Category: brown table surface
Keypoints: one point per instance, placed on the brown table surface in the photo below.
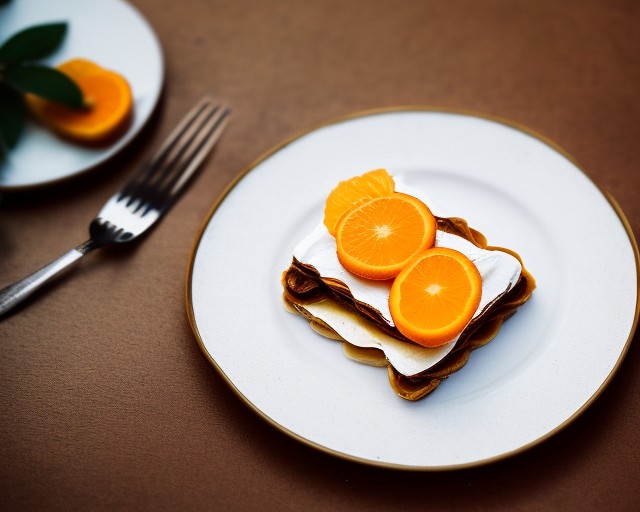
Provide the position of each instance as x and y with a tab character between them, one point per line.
106	401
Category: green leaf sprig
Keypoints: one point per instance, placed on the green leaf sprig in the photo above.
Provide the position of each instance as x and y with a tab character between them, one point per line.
20	74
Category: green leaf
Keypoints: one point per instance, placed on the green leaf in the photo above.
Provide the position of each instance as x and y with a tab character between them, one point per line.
33	43
12	116
48	83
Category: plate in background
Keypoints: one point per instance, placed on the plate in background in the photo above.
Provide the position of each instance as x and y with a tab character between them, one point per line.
114	35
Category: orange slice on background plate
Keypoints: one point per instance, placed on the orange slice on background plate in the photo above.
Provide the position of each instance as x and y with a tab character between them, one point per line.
435	296
353	192
78	67
376	239
108	100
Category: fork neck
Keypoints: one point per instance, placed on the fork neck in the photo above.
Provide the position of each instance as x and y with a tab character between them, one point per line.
88	246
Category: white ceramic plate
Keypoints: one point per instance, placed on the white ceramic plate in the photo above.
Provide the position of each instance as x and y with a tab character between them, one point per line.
113	34
549	361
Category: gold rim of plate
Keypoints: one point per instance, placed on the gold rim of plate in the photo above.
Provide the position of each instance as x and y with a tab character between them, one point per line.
364	113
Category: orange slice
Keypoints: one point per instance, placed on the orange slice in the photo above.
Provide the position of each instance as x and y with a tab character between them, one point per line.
78	67
108	99
378	238
353	192
435	296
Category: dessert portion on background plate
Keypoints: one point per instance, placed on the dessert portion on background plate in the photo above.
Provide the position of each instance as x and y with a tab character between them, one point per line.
399	286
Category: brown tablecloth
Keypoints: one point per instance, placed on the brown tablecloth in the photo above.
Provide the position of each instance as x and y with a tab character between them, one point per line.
106	401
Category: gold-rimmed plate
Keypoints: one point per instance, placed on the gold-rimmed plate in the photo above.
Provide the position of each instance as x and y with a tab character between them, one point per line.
548	362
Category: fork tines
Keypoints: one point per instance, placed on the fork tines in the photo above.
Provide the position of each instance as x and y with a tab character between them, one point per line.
159	181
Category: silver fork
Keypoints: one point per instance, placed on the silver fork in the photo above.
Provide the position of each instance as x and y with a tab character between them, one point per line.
150	192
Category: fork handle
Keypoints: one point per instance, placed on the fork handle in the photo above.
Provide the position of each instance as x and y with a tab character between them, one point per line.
17	292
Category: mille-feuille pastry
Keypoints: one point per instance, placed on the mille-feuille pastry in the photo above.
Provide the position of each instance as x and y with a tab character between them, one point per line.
418	308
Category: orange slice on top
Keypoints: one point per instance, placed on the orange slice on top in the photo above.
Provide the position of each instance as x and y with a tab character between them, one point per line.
378	238
107	97
435	296
353	192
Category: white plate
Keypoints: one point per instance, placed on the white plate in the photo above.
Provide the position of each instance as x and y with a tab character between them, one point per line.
549	361
114	35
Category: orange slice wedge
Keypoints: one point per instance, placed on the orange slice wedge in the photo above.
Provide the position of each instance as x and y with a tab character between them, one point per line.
435	296
108	99
378	238
353	192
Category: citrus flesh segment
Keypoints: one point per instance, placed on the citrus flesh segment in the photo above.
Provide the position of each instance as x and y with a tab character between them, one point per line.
353	192
435	296
378	238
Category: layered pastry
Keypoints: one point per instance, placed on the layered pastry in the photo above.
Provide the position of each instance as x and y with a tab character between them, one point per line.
401	287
